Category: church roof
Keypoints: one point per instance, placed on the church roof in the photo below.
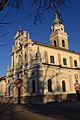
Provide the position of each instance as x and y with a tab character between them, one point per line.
59	48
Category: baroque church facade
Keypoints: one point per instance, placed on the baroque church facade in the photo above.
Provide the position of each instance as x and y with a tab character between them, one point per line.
41	73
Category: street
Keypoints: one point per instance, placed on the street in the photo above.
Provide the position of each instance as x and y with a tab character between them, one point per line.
53	111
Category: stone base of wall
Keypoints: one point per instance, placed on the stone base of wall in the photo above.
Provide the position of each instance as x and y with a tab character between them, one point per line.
50	98
9	99
33	99
38	99
2	99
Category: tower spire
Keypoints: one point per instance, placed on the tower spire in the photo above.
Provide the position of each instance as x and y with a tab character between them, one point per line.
28	35
56	15
57	19
58	37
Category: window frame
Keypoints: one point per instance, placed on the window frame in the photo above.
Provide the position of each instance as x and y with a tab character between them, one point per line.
52	59
75	63
63	43
55	43
33	86
9	90
49	85
63	86
64	61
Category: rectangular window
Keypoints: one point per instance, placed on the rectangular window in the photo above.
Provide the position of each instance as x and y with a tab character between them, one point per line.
52	59
75	63
64	61
63	43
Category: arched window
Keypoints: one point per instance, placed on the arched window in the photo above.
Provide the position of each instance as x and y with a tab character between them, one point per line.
55	43
64	61
63	43
49	85
33	86
52	59
75	63
63	86
62	29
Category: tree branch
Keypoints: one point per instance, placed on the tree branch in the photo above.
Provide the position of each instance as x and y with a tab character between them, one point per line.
2	4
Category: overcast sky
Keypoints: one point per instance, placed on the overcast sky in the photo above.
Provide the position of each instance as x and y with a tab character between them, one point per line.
40	32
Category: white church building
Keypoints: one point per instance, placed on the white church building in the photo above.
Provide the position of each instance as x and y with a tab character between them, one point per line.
41	73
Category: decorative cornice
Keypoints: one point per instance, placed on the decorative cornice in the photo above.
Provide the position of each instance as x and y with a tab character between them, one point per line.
60	66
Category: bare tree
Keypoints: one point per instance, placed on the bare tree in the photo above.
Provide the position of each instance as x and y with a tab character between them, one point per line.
5	7
43	6
2	4
37	8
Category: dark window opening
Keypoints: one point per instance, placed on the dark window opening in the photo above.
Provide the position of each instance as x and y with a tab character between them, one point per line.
64	61
61	28
49	85
52	59
63	43
55	44
75	63
33	86
9	90
36	55
63	86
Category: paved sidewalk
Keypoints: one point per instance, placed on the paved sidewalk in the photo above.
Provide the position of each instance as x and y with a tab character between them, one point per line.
4	107
51	111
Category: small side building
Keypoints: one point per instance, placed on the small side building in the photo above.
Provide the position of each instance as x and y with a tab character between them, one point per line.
3	89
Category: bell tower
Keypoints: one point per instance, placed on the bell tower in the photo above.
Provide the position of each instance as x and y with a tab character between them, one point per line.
58	37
